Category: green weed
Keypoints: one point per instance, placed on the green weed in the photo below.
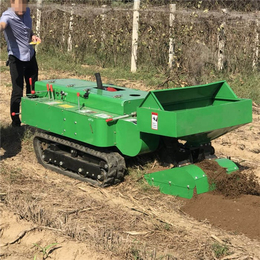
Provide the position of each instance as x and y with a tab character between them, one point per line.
44	251
220	250
4	68
27	138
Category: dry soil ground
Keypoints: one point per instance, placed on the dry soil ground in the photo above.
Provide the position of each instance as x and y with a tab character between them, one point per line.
45	215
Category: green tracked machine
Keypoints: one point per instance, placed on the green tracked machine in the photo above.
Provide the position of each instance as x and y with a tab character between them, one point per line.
87	129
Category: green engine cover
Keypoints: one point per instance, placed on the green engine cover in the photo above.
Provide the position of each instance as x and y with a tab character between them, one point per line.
79	110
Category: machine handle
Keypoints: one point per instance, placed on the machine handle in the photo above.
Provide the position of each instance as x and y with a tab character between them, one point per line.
120	117
99	81
31	86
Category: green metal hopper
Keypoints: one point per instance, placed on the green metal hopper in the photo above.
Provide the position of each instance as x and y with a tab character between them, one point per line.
196	114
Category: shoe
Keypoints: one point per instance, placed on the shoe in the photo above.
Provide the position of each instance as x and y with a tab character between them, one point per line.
16	124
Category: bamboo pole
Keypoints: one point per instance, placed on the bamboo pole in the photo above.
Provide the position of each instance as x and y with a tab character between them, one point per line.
135	35
171	44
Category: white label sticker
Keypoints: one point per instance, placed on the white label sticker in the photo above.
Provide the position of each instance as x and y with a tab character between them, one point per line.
103	115
154	121
53	102
86	111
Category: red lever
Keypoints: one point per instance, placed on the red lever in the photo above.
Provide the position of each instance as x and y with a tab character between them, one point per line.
48	90
78	95
30	82
109	119
14	114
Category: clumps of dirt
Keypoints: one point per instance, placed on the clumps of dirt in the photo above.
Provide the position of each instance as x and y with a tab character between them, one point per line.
238	183
230	185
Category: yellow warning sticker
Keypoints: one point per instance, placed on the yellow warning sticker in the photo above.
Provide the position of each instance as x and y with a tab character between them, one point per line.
66	106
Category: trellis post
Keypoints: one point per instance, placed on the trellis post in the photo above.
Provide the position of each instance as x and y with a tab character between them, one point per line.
64	27
103	17
135	35
221	45
171	30
71	28
38	19
256	48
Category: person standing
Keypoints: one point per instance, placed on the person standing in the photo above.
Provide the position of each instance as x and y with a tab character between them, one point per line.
16	23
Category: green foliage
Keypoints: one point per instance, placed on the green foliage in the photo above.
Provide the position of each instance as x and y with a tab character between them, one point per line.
106	39
239	5
2	69
246	85
135	254
220	250
44	251
136	175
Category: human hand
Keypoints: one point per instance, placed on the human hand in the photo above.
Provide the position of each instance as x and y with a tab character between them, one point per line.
35	40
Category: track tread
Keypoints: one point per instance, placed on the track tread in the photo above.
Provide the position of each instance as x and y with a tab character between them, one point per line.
116	163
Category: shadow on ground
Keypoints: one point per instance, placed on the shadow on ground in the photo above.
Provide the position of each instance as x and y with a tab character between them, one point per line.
11	140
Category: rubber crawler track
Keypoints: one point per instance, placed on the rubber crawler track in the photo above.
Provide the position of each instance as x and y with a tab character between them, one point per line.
113	174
